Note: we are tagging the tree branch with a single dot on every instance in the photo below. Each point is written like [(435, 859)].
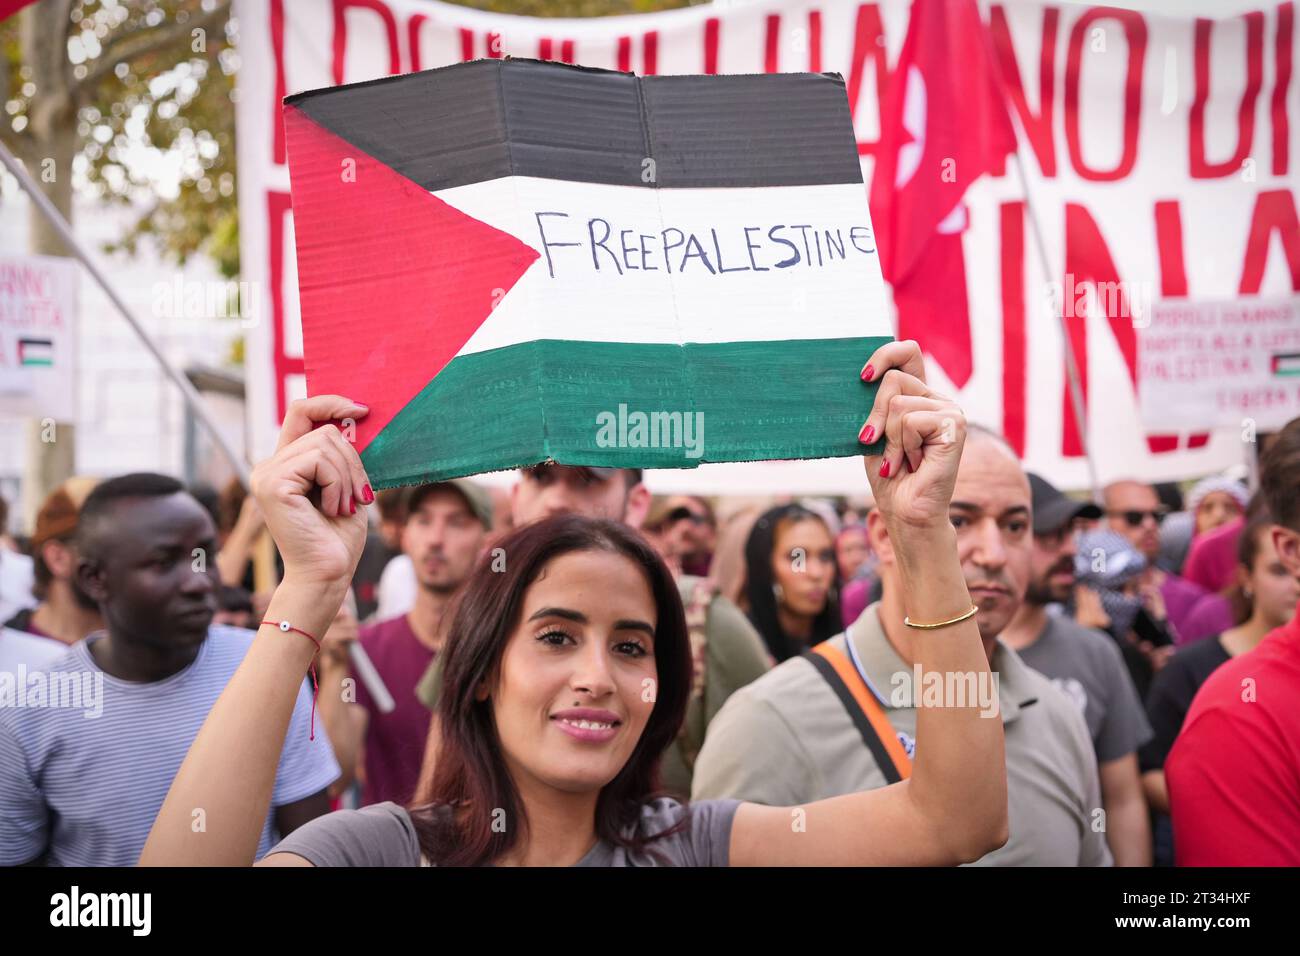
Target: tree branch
[(135, 46)]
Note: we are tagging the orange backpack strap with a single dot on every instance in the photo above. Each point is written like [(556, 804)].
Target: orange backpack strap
[(867, 714)]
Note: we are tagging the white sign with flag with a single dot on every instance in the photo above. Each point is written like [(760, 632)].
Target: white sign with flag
[(38, 311), (1231, 364), (1159, 150)]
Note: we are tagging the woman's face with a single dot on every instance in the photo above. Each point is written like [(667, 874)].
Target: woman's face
[(1217, 508), (1274, 591), (803, 564), (851, 551), (577, 679)]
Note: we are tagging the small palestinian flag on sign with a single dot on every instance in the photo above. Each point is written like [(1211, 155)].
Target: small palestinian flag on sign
[(35, 351), (512, 261), (1286, 365)]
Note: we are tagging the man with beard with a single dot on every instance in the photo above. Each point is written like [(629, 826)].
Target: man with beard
[(84, 769), (66, 613), (842, 718), (1088, 667), (445, 529)]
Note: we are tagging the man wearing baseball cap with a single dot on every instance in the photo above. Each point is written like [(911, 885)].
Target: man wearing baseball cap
[(445, 529), (66, 613), (1088, 666)]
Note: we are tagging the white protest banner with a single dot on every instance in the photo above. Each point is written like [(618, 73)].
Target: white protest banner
[(38, 312), (1160, 152), (1233, 364)]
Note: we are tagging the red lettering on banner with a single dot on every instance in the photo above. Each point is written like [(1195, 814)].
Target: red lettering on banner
[(1135, 31), (1281, 122), (341, 34), (278, 210), (1274, 212), (815, 41), (544, 48), (649, 53), (1038, 128), (1162, 444), (413, 39), (771, 43), (494, 45), (1201, 168), (1173, 285), (566, 51), (1015, 380), (277, 104), (868, 41), (1088, 262), (466, 45), (712, 26), (1169, 249)]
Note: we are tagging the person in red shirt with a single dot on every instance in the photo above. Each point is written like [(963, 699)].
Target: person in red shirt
[(1234, 772)]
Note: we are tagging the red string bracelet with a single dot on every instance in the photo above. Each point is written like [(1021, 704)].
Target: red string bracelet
[(285, 626)]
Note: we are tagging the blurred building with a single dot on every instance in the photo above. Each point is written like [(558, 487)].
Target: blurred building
[(130, 416)]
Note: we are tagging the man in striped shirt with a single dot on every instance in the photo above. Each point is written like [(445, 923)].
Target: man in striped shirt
[(89, 744)]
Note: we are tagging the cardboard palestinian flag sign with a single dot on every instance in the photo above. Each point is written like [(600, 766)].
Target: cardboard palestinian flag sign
[(513, 261)]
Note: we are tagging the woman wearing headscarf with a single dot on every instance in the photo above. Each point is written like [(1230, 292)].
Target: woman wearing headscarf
[(1216, 501)]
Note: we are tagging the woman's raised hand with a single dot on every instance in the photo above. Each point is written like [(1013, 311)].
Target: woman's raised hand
[(924, 433), (309, 491)]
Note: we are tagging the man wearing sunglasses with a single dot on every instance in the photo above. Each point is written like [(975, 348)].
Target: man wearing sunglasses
[(1133, 509)]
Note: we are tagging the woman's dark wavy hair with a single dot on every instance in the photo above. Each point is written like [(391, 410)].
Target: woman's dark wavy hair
[(759, 580), (1249, 544), (470, 779)]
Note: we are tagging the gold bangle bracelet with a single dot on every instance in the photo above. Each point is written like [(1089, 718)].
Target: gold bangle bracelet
[(974, 609)]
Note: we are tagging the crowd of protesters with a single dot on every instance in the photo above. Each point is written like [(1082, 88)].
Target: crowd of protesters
[(1142, 656)]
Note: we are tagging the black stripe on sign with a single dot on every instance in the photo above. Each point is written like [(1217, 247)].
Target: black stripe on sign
[(868, 732), (486, 119)]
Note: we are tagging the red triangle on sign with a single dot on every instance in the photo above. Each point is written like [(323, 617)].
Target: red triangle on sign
[(392, 280)]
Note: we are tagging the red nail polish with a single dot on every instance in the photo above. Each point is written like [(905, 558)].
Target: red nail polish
[(868, 374), (884, 469), (369, 495), (867, 435)]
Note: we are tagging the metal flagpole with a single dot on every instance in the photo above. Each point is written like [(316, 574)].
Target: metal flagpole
[(192, 397), (1071, 361)]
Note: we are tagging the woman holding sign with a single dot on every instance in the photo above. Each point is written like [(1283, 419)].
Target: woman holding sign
[(566, 677)]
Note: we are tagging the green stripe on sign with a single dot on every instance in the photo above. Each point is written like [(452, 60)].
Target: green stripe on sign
[(799, 398)]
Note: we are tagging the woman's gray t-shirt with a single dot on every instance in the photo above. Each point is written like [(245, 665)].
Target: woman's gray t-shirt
[(383, 835)]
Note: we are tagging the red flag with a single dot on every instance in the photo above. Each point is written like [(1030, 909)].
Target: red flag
[(945, 124), (10, 7)]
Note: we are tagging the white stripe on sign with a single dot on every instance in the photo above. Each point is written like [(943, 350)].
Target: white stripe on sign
[(631, 264)]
